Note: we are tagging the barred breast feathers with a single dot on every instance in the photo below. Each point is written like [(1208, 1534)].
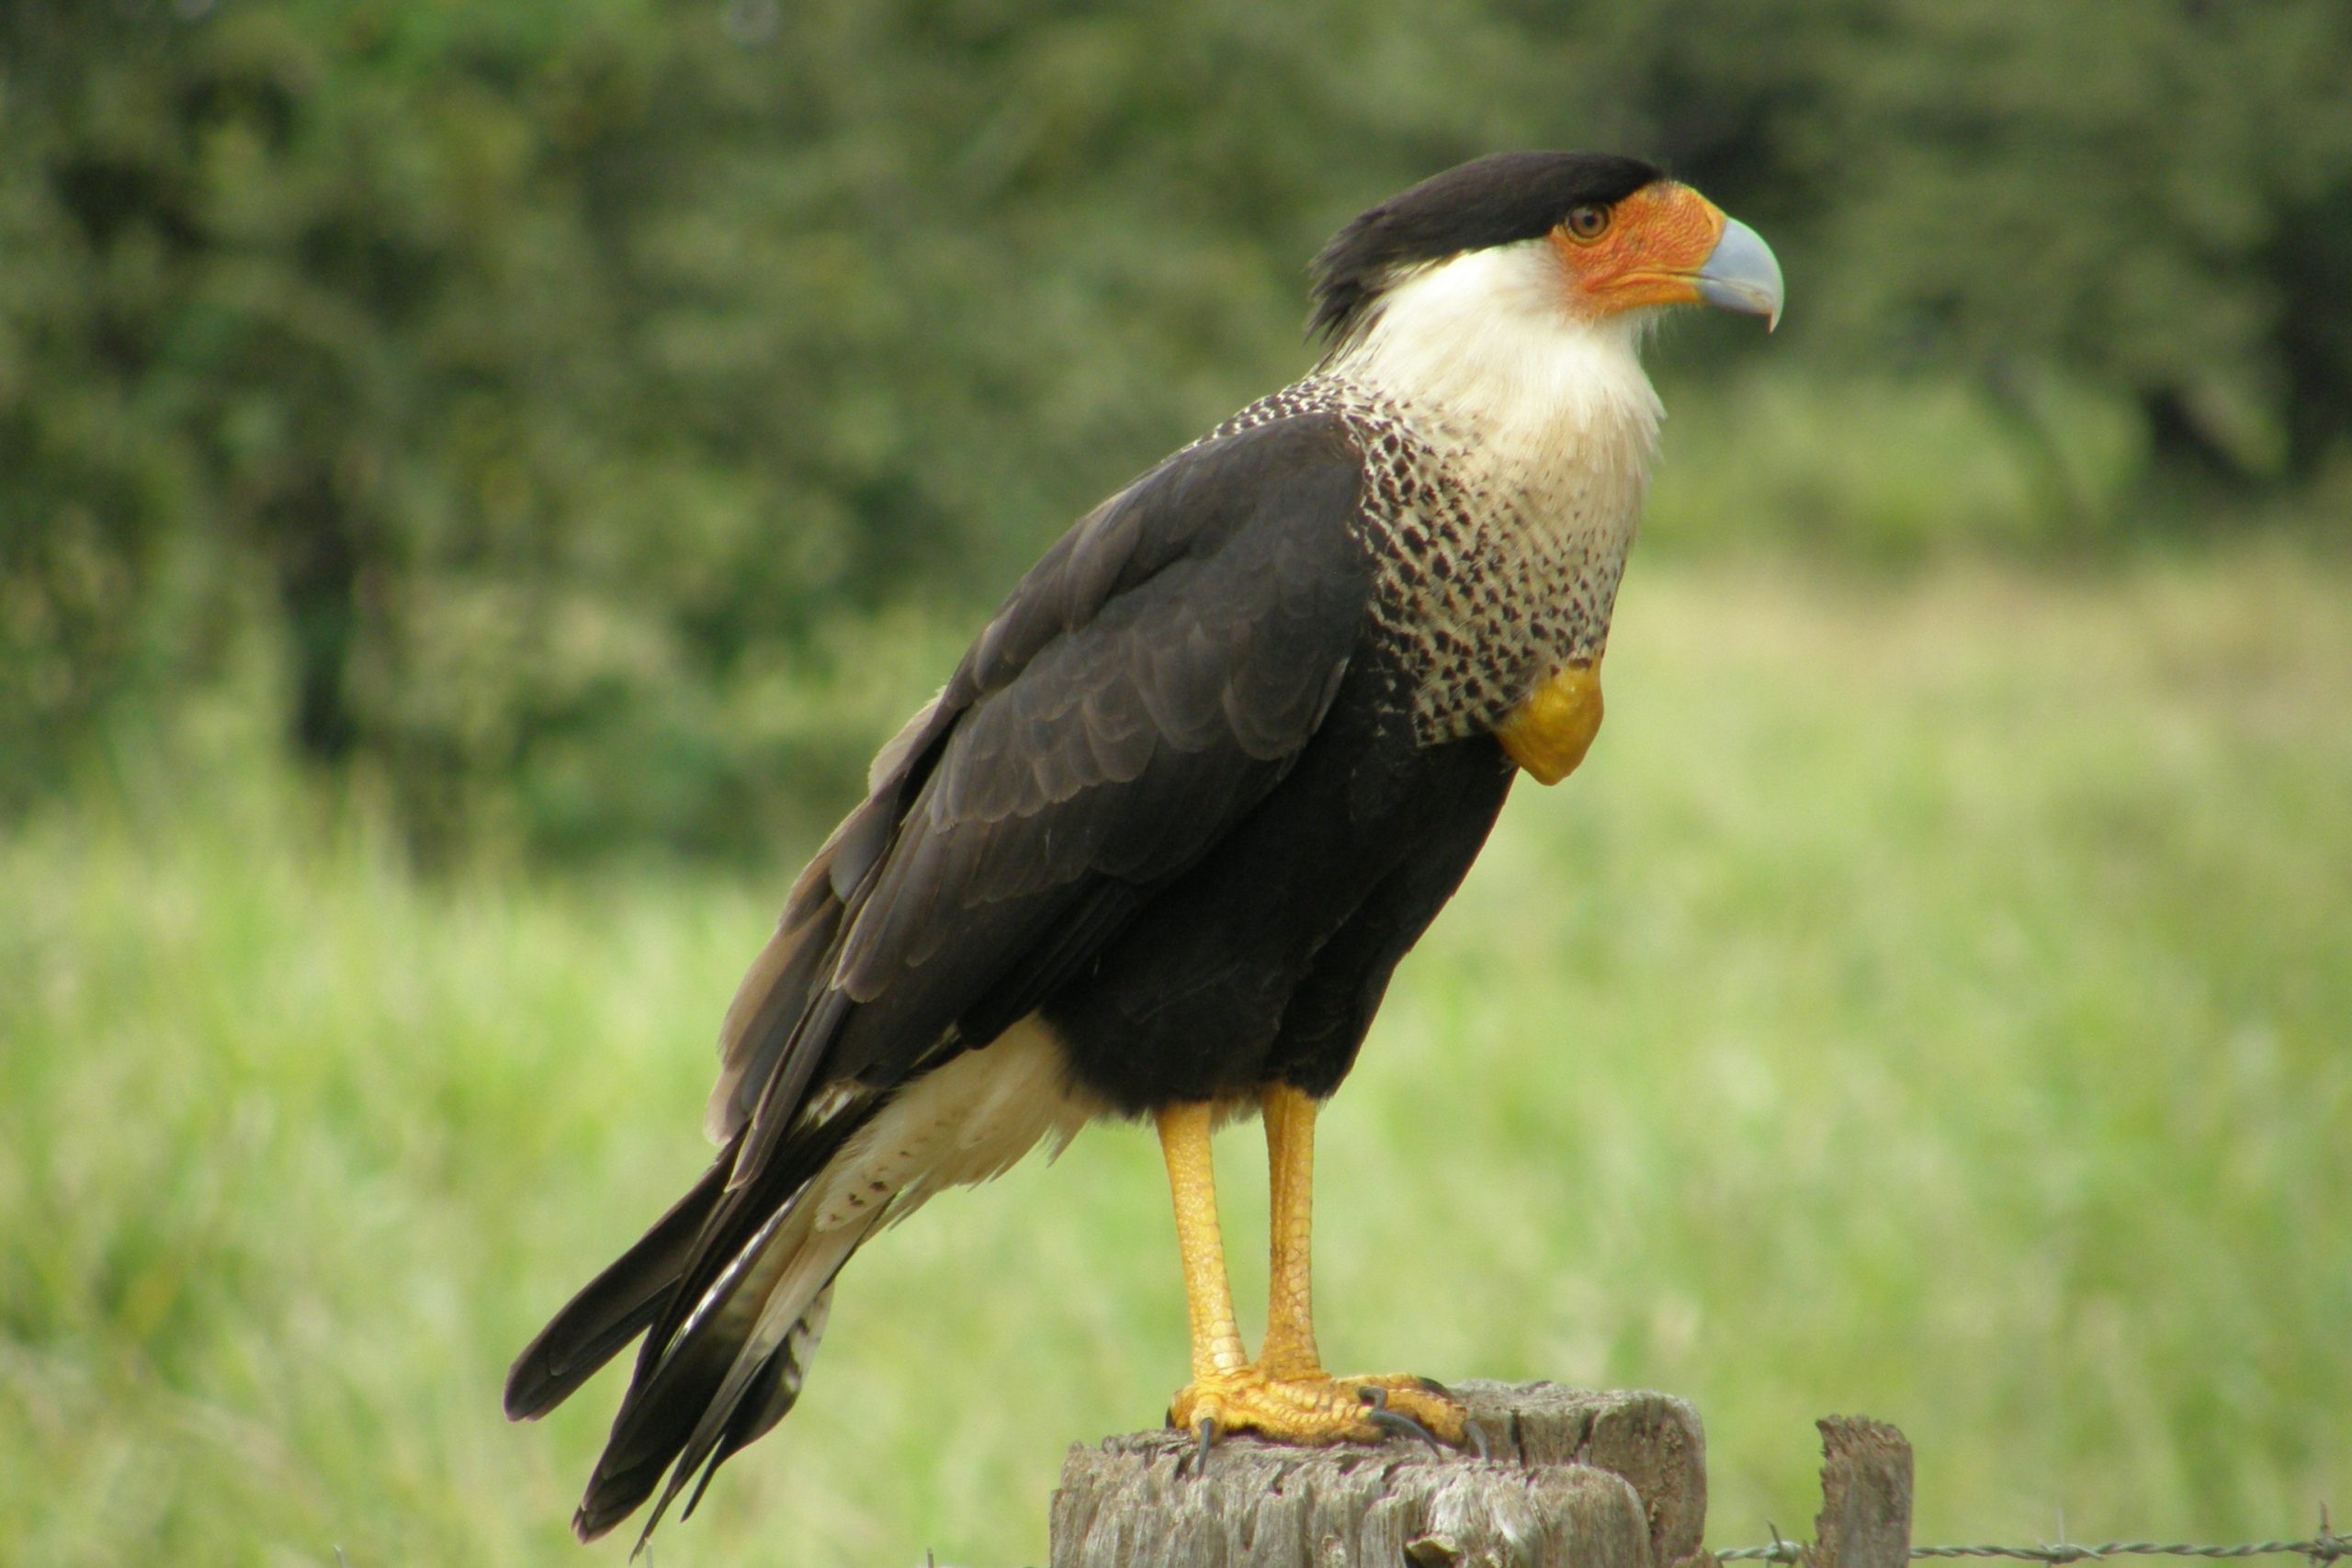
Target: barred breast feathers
[(1509, 449)]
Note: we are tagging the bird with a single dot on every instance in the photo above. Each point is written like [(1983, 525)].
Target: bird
[(1155, 850)]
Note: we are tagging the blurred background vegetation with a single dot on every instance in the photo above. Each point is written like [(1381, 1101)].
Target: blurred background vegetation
[(477, 479), (549, 397)]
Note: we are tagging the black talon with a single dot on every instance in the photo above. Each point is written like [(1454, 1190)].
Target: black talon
[(1394, 1422), (1208, 1430), (1374, 1395), (1478, 1436)]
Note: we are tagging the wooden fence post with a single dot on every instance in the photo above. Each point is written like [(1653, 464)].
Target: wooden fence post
[(1593, 1480), (1865, 1496)]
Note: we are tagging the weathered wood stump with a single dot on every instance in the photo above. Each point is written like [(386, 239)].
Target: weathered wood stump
[(1593, 1480), (1865, 1520)]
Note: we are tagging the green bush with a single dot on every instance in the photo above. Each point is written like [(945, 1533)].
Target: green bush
[(544, 386), (1891, 469)]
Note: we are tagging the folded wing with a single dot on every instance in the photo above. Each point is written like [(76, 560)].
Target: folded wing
[(1142, 689)]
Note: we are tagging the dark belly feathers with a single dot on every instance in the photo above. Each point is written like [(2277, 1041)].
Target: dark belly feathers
[(1265, 962)]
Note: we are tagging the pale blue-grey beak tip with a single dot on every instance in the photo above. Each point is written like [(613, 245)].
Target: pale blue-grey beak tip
[(1742, 274)]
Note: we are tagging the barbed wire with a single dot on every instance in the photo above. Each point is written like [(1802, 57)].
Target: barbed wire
[(2326, 1547)]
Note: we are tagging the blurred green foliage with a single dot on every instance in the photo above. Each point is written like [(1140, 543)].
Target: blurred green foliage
[(560, 395), (1929, 1000)]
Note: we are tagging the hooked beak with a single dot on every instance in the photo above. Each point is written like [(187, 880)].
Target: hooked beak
[(1741, 274)]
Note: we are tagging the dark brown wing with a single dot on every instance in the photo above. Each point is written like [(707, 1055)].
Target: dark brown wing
[(1147, 683)]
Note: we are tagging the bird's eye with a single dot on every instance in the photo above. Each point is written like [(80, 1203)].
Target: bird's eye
[(1588, 222)]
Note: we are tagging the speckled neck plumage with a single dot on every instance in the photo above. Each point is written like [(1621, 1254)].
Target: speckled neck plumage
[(1461, 521)]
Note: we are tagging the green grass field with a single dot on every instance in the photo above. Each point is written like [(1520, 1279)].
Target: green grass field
[(1933, 1000)]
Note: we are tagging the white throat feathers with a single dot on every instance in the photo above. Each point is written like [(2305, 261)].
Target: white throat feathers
[(1485, 348), (1513, 498)]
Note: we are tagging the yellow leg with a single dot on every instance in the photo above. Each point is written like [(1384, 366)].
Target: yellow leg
[(1290, 1169), (1191, 1179), (1287, 1397), (1291, 1354)]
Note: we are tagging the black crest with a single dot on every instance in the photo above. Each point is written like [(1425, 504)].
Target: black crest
[(1488, 202)]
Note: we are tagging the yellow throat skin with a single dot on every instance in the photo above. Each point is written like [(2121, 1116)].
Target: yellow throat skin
[(1550, 732)]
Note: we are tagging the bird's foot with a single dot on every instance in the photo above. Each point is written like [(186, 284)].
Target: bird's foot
[(1425, 1402), (1319, 1409)]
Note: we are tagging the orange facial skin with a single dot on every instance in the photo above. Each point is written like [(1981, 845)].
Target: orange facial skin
[(1649, 255)]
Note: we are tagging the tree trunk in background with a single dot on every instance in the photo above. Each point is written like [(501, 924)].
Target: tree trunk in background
[(318, 574)]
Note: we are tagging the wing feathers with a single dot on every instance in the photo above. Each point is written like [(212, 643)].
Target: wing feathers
[(772, 1394), (768, 1005), (614, 1307), (1149, 681)]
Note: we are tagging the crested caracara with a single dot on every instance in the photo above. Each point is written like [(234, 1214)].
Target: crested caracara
[(1157, 845)]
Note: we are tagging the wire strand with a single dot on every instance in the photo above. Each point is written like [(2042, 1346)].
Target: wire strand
[(2320, 1549)]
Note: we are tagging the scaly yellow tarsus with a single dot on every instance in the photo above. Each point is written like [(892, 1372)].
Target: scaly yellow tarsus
[(1209, 1299), (1550, 732), (1225, 1391), (1286, 1395), (1289, 1354), (1290, 1349)]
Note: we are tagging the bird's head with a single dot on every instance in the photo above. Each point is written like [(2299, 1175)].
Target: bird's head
[(1581, 238)]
